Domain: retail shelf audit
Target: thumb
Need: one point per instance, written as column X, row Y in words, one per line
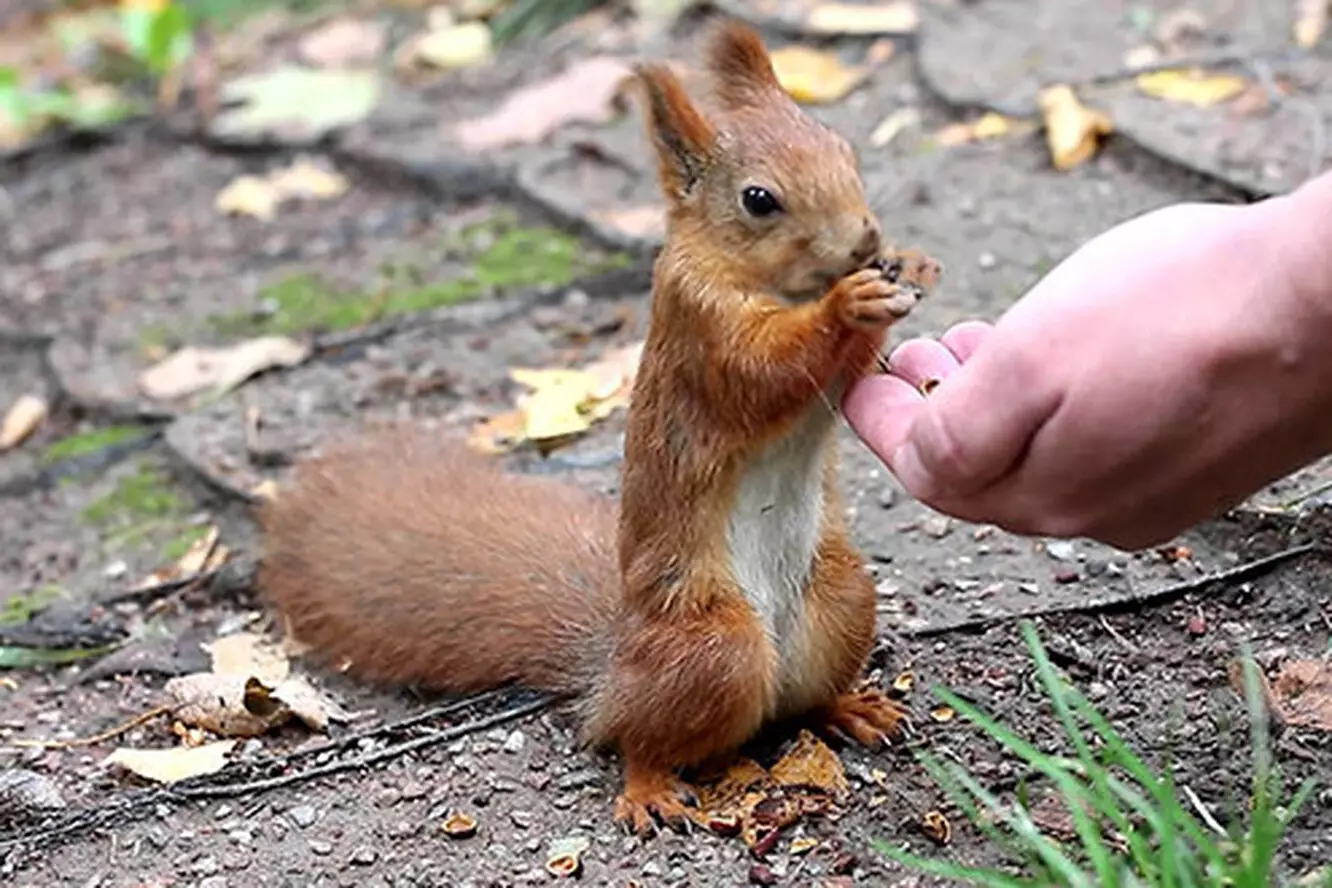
column 970, row 432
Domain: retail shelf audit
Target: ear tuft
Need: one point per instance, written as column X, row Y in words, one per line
column 682, row 136
column 740, row 66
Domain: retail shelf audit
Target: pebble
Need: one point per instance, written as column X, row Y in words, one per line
column 578, row 779
column 206, row 866
column 1061, row 550
column 213, row 882
column 937, row 526
column 364, row 856
column 521, row 819
column 514, row 742
column 320, row 847
column 222, row 812
column 987, row 260
column 25, row 793
column 1067, row 576
column 887, row 498
column 302, row 815
column 762, row 874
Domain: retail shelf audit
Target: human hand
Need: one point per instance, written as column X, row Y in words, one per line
column 1165, row 371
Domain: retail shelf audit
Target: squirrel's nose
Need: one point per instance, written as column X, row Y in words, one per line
column 869, row 245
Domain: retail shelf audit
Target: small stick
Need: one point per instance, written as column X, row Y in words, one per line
column 95, row 739
column 1202, row 810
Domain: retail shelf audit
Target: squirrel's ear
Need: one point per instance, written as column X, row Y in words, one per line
column 741, row 69
column 681, row 134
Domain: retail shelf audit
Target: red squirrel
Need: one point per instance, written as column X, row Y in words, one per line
column 724, row 592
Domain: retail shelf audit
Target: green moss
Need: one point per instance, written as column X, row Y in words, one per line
column 21, row 608
column 501, row 255
column 136, row 502
column 89, row 442
column 176, row 548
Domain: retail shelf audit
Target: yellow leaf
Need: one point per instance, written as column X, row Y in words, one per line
column 813, row 76
column 1310, row 22
column 1191, row 86
column 305, row 179
column 248, row 196
column 894, row 124
column 22, row 419
column 1072, row 131
column 861, row 18
column 456, row 46
column 989, row 126
column 170, row 765
column 554, row 407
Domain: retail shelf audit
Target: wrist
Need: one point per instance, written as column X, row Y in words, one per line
column 1298, row 232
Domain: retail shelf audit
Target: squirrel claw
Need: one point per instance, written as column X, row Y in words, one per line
column 871, row 717
column 650, row 797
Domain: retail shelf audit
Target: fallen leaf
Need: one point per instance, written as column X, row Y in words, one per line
column 204, row 555
column 171, row 765
column 344, row 43
column 811, row 764
column 894, row 125
column 192, row 369
column 248, row 196
column 455, row 46
column 1310, row 22
column 249, row 655
column 814, row 76
column 294, row 104
column 553, row 409
column 22, row 419
column 1072, row 131
column 588, row 91
column 990, row 125
column 1191, row 86
column 306, row 179
column 898, row 17
column 307, row 703
column 943, row 713
column 937, row 827
column 645, row 221
column 1303, row 692
column 228, row 704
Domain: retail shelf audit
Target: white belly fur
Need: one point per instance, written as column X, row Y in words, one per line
column 774, row 532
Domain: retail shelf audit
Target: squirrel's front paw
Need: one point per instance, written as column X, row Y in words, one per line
column 910, row 267
column 868, row 301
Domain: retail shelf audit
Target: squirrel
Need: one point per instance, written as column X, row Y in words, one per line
column 723, row 593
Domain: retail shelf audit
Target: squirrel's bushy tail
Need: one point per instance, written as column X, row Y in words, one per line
column 411, row 560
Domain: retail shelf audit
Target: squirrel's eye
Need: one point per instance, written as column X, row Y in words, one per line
column 759, row 201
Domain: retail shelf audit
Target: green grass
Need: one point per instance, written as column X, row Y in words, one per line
column 22, row 607
column 138, row 503
column 1133, row 827
column 500, row 256
column 89, row 442
column 176, row 547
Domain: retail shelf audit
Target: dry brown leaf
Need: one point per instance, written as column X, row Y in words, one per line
column 230, row 705
column 1310, row 22
column 814, row 76
column 250, row 655
column 171, row 765
column 812, row 764
column 203, row 555
column 308, row 703
column 193, row 369
column 897, row 17
column 645, row 221
column 1303, row 692
column 344, row 43
column 22, row 419
column 1191, row 86
column 1072, row 131
column 588, row 91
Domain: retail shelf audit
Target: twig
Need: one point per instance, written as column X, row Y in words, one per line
column 1115, row 634
column 1202, row 810
column 1156, row 596
column 432, row 739
column 95, row 739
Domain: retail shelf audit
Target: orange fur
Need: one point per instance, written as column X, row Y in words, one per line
column 727, row 592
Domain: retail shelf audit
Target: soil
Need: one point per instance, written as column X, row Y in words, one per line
column 114, row 254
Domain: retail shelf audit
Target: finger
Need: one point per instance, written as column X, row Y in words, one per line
column 972, row 431
column 881, row 409
column 918, row 360
column 963, row 339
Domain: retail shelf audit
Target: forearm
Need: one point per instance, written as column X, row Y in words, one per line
column 1301, row 238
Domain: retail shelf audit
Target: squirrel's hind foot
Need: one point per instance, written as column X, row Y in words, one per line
column 871, row 717
column 653, row 795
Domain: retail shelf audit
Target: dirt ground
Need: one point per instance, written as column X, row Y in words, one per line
column 114, row 254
